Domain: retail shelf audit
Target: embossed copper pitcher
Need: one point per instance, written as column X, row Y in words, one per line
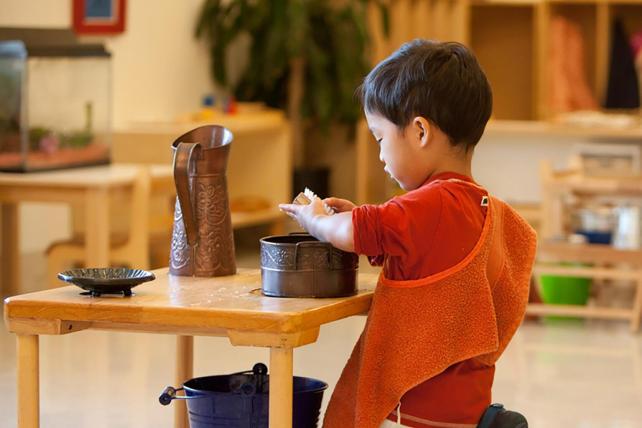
column 202, row 239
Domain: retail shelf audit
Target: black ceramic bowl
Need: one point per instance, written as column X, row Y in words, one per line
column 99, row 281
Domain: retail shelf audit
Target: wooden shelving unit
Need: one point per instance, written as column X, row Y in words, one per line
column 511, row 39
column 596, row 261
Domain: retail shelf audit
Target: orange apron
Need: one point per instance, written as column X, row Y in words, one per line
column 416, row 329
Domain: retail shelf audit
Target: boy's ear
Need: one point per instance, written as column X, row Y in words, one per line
column 422, row 130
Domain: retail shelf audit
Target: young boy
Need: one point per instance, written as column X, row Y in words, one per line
column 456, row 262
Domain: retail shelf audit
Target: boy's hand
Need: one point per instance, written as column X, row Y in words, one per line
column 339, row 205
column 304, row 214
column 335, row 229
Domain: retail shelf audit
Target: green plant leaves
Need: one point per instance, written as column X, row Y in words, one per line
column 331, row 40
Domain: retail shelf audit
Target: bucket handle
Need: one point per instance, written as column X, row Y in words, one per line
column 169, row 394
column 259, row 370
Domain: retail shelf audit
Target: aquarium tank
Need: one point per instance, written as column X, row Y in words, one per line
column 55, row 100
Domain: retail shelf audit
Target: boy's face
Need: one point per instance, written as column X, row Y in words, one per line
column 400, row 151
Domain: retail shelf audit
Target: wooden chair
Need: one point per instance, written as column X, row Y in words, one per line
column 131, row 250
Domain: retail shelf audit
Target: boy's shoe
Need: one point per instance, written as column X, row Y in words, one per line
column 498, row 417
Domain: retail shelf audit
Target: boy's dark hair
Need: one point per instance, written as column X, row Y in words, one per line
column 442, row 82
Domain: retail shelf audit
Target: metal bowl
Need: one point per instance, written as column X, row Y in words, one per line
column 299, row 265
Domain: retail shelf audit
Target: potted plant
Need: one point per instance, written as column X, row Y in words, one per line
column 303, row 56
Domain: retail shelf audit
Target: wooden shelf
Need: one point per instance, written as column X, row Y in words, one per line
column 597, row 186
column 578, row 311
column 587, row 272
column 515, row 3
column 259, row 121
column 588, row 253
column 239, row 219
column 549, row 128
column 541, row 2
column 245, row 219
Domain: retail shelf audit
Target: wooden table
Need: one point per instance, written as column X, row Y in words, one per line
column 229, row 306
column 88, row 187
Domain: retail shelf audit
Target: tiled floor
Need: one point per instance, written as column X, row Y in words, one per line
column 564, row 375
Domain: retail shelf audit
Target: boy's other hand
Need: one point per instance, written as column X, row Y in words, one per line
column 339, row 205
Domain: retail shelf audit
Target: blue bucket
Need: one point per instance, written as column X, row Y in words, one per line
column 240, row 400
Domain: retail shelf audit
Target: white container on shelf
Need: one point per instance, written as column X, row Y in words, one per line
column 627, row 231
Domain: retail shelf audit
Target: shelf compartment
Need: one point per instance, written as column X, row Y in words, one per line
column 629, row 13
column 588, row 253
column 584, row 16
column 502, row 38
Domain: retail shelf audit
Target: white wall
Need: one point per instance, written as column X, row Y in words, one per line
column 508, row 166
column 159, row 71
column 35, row 13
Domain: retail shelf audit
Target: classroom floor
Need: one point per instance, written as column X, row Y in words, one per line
column 562, row 375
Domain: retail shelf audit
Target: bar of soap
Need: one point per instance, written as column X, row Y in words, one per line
column 306, row 197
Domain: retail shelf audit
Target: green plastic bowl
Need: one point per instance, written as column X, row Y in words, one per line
column 564, row 290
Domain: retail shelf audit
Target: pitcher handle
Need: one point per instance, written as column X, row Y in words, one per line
column 182, row 161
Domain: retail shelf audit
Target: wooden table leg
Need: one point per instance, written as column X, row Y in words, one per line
column 184, row 371
column 97, row 227
column 280, row 387
column 10, row 257
column 28, row 381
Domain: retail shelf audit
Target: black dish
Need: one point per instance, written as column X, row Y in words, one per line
column 99, row 281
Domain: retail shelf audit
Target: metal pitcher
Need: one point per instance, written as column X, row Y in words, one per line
column 202, row 239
